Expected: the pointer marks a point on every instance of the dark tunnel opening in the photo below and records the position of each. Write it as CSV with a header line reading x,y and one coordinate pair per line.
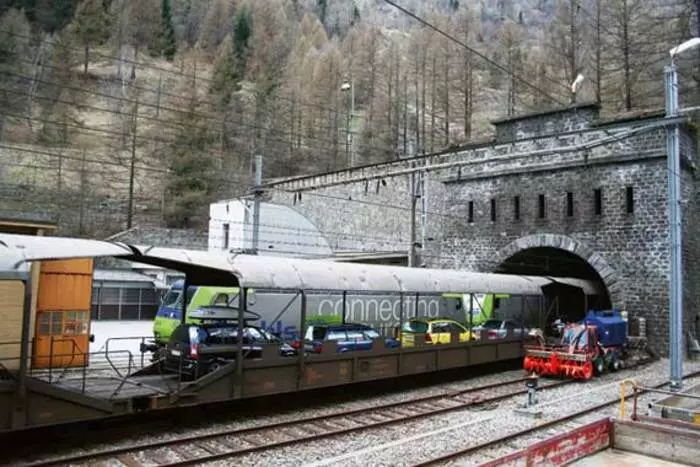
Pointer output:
x,y
565,301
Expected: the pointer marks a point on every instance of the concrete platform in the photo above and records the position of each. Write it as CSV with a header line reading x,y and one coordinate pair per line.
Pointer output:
x,y
617,458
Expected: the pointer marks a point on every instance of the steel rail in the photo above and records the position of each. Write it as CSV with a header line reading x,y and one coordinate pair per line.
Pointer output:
x,y
541,426
315,437
195,439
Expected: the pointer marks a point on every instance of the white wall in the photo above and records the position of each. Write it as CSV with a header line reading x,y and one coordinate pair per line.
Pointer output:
x,y
283,230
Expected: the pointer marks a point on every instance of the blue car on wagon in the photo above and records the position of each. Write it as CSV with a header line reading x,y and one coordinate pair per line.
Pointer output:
x,y
348,338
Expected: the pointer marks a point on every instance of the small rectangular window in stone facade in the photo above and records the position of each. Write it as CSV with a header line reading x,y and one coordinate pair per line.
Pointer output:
x,y
569,204
541,210
516,207
471,211
598,198
630,200
493,210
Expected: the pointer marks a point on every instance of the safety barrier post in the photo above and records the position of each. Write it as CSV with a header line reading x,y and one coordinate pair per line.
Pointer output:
x,y
631,382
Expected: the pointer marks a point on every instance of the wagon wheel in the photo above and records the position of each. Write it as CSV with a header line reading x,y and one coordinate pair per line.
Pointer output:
x,y
599,365
588,370
616,364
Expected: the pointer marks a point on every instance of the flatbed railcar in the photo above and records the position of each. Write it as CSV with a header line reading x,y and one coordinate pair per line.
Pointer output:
x,y
30,398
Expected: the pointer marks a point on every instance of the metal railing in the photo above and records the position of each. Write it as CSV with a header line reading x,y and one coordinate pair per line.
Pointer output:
x,y
63,367
638,389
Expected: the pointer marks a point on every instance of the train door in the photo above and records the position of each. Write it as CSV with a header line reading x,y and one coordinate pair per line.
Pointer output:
x,y
63,314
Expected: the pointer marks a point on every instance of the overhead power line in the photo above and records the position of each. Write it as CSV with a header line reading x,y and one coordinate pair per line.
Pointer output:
x,y
158,68
476,52
321,143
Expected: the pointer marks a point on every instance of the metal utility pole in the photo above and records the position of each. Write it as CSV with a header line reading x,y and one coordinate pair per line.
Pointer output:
x,y
349,85
256,205
132,163
352,117
423,211
674,224
412,231
674,217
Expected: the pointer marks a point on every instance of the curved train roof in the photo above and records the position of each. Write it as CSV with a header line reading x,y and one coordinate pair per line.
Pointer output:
x,y
288,273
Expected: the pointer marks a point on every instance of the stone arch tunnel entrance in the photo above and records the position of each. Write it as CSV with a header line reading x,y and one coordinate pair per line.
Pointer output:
x,y
562,300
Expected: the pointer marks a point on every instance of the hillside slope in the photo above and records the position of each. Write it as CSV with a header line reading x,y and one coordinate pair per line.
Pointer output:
x,y
121,113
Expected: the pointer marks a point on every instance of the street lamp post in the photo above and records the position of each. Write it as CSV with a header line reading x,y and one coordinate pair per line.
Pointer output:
x,y
349,149
575,85
674,218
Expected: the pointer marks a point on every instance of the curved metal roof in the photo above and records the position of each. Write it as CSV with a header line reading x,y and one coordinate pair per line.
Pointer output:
x,y
32,247
285,273
589,287
289,273
327,275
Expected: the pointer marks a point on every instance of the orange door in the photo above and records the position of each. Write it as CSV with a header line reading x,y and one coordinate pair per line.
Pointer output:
x,y
63,314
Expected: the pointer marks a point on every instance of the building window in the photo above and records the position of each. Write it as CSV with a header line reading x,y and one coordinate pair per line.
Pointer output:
x,y
569,204
95,303
120,303
598,195
493,210
630,200
226,230
541,210
516,207
471,211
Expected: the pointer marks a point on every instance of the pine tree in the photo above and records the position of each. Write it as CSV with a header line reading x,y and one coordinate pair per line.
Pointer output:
x,y
322,6
51,15
168,43
242,30
355,15
90,26
191,176
14,47
225,79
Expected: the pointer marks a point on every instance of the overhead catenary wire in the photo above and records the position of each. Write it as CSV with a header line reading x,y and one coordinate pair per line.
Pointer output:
x,y
134,87
180,74
340,130
353,200
294,232
477,53
149,170
242,181
439,166
172,123
151,66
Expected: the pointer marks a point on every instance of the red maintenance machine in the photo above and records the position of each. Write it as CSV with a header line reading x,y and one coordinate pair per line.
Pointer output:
x,y
596,344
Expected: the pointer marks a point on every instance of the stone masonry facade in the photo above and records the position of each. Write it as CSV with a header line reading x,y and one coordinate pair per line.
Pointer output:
x,y
572,174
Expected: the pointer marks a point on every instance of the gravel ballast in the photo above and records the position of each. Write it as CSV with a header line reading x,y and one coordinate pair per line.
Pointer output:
x,y
418,440
421,440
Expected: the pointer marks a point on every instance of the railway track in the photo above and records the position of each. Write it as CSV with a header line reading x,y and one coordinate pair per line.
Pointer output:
x,y
483,453
228,444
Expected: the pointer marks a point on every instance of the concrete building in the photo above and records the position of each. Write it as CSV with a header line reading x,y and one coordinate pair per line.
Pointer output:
x,y
556,193
283,230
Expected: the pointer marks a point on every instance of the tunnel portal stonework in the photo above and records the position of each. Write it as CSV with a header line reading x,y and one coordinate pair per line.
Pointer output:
x,y
587,197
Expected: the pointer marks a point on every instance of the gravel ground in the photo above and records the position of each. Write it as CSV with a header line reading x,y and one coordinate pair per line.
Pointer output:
x,y
419,440
410,443
321,409
528,440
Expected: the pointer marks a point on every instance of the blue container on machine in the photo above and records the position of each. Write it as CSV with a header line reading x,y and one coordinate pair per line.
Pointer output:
x,y
612,329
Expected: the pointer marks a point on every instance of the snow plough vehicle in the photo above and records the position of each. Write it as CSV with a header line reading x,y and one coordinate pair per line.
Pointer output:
x,y
592,346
